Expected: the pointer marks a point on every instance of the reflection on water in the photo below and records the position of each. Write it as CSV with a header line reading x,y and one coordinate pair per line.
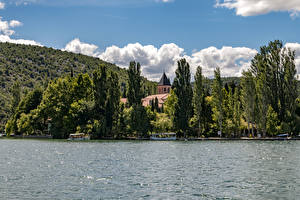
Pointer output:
x,y
149,170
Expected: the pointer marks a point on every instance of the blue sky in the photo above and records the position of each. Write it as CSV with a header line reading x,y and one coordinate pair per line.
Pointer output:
x,y
193,26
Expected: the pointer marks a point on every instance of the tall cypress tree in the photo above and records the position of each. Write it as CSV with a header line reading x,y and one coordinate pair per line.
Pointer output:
x,y
112,102
135,84
139,121
183,89
100,95
156,105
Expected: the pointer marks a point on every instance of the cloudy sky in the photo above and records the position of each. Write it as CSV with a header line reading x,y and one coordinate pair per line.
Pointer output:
x,y
156,33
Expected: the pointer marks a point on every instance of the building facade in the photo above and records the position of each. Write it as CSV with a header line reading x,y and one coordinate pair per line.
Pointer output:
x,y
163,89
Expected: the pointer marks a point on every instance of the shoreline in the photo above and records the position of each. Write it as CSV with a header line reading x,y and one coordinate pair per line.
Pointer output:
x,y
148,139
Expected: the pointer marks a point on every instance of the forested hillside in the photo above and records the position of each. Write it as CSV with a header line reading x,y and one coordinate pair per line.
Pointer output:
x,y
34,65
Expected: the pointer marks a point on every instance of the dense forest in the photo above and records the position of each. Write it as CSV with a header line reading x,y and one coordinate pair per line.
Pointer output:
x,y
263,102
35,66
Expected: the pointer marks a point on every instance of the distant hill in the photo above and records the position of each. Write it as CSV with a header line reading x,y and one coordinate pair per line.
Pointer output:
x,y
32,65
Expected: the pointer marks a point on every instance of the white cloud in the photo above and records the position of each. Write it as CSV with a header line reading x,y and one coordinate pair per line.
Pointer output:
x,y
6,38
2,5
259,7
15,23
231,60
295,47
154,61
5,27
76,46
6,32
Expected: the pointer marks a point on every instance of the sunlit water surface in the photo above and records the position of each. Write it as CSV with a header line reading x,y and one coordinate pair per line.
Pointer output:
x,y
33,169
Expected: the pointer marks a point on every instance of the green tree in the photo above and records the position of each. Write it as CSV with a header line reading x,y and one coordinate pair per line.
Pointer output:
x,y
139,121
16,96
248,97
272,122
135,84
100,90
29,102
169,106
156,105
183,89
122,126
237,111
199,101
217,99
112,103
274,71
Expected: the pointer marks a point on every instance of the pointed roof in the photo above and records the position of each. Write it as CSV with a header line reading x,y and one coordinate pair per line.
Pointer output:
x,y
164,80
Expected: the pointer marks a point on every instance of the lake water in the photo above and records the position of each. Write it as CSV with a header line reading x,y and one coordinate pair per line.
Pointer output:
x,y
33,169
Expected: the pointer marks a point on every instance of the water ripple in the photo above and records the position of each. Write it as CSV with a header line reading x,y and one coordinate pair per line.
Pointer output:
x,y
32,169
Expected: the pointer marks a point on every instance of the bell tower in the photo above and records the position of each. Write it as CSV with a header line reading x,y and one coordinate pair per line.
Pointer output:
x,y
164,85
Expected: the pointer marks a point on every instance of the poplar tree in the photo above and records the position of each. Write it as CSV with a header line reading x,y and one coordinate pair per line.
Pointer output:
x,y
274,71
139,121
112,102
237,111
156,105
100,96
248,96
135,84
217,99
183,89
199,100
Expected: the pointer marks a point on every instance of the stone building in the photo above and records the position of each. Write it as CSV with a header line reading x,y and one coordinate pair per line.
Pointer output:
x,y
163,89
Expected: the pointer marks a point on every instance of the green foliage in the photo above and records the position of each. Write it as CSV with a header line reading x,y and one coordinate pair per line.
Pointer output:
x,y
274,71
139,121
218,100
162,123
38,102
16,97
100,91
199,100
135,93
272,122
183,89
29,102
249,96
237,111
34,66
112,103
169,106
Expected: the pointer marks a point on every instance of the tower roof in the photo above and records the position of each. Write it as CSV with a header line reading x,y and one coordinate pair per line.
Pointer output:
x,y
164,80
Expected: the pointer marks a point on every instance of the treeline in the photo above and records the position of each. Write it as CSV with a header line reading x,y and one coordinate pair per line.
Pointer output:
x,y
82,104
264,102
35,66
